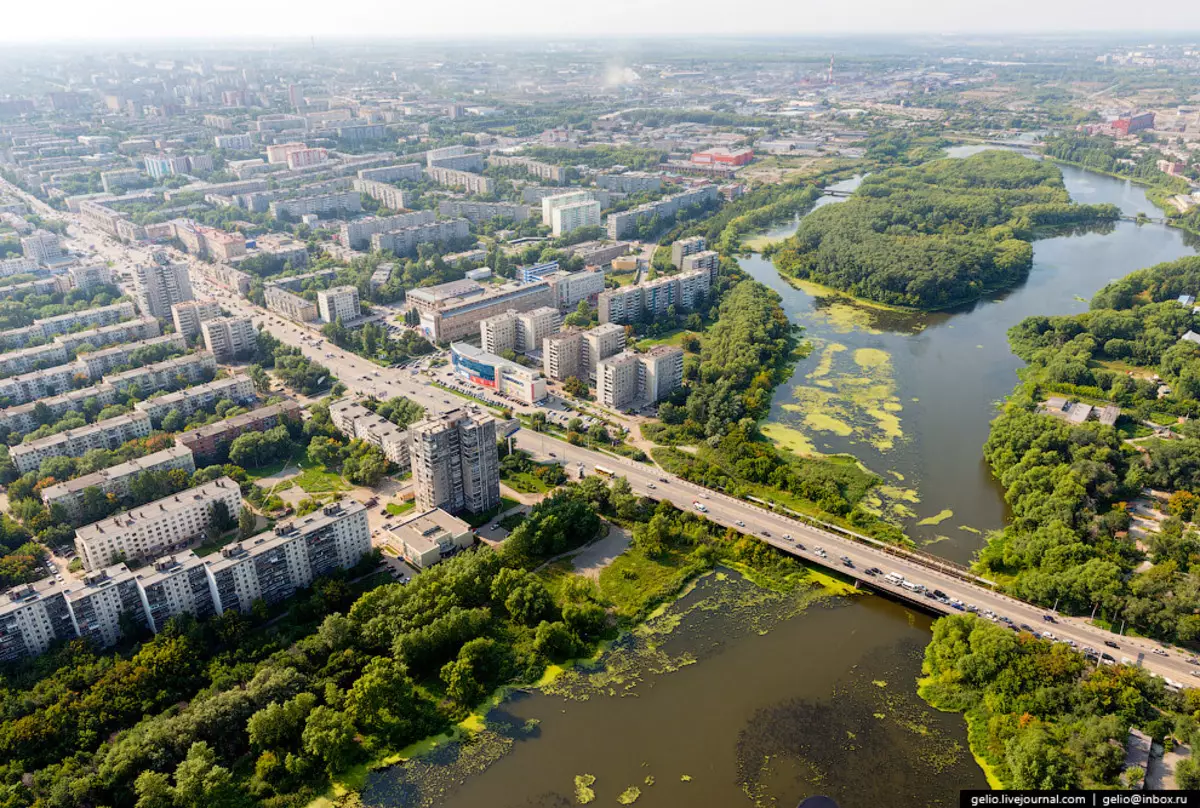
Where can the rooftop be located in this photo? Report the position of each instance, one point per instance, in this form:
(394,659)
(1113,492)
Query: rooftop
(167,567)
(98,478)
(421,532)
(157,510)
(116,422)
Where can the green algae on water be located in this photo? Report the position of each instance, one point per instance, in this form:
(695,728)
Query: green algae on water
(630,795)
(937,518)
(583,788)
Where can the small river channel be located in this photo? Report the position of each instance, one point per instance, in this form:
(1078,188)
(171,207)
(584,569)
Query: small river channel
(911,395)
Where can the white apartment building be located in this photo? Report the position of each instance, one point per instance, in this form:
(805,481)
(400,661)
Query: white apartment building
(465,180)
(340,302)
(41,246)
(560,200)
(292,306)
(684,247)
(188,315)
(174,585)
(568,218)
(535,325)
(455,464)
(357,234)
(62,323)
(304,158)
(38,384)
(238,388)
(601,342)
(157,528)
(279,152)
(98,604)
(89,276)
(32,618)
(499,334)
(234,142)
(158,287)
(129,331)
(273,565)
(571,287)
(20,419)
(709,260)
(387,195)
(114,480)
(95,364)
(562,356)
(356,421)
(27,360)
(230,338)
(405,240)
(193,367)
(17,266)
(107,434)
(347,201)
(645,378)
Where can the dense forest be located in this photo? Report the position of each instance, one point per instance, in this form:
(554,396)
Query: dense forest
(1041,716)
(937,234)
(1068,484)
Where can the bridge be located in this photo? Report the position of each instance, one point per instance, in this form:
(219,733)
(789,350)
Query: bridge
(1144,219)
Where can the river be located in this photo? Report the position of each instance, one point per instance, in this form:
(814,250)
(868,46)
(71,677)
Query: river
(736,696)
(911,395)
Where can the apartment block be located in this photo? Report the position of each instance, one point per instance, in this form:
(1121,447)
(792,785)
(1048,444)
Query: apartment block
(230,338)
(305,158)
(396,173)
(560,200)
(274,565)
(278,153)
(535,325)
(107,434)
(213,440)
(38,384)
(292,306)
(95,364)
(458,158)
(344,202)
(427,538)
(562,356)
(27,360)
(707,260)
(98,603)
(357,234)
(238,388)
(499,333)
(188,315)
(536,168)
(114,480)
(189,369)
(385,194)
(17,266)
(628,304)
(38,286)
(338,303)
(684,247)
(405,240)
(41,246)
(234,142)
(623,304)
(158,287)
(455,463)
(601,342)
(463,180)
(630,182)
(157,528)
(566,219)
(20,419)
(32,618)
(356,421)
(626,222)
(571,287)
(628,377)
(483,211)
(128,331)
(88,277)
(172,586)
(61,324)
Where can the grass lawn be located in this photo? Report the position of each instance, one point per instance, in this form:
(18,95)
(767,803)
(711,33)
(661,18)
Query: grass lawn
(268,471)
(623,278)
(314,479)
(525,482)
(477,520)
(396,510)
(1164,418)
(675,338)
(635,583)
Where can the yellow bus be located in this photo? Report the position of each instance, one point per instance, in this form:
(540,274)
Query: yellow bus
(603,471)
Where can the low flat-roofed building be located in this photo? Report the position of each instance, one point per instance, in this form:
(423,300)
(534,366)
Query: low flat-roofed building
(427,538)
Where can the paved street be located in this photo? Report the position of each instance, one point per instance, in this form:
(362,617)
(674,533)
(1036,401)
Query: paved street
(364,377)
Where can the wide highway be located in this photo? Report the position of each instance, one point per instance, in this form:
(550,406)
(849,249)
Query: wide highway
(809,543)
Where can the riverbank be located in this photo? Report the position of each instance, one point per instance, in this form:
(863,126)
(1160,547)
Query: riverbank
(1155,194)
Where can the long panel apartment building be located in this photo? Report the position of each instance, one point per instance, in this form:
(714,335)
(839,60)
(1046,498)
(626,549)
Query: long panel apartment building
(21,419)
(28,360)
(213,440)
(464,180)
(49,327)
(238,388)
(455,465)
(357,234)
(535,168)
(626,222)
(483,211)
(100,601)
(38,384)
(115,480)
(320,204)
(191,368)
(627,304)
(107,434)
(290,305)
(396,173)
(95,364)
(385,194)
(174,585)
(272,566)
(405,240)
(159,527)
(128,331)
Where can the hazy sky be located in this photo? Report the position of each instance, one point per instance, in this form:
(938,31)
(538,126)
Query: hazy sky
(49,20)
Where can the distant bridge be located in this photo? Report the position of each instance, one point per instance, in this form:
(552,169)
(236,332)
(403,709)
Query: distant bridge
(1147,219)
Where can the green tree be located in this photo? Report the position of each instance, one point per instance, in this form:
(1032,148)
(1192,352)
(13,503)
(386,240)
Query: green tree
(329,737)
